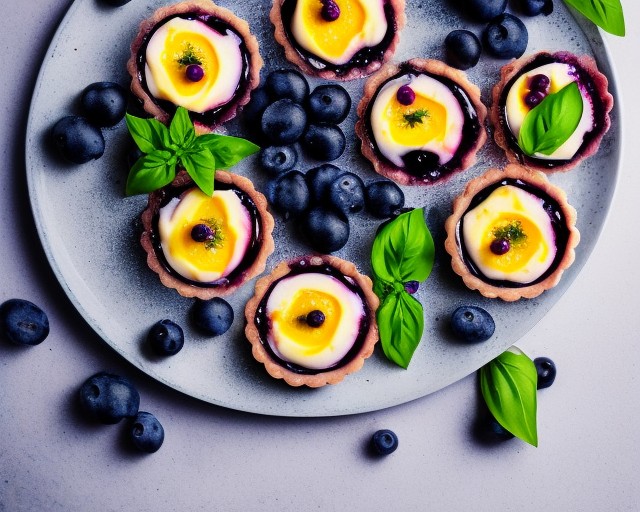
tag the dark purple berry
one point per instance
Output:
(166, 338)
(278, 159)
(482, 10)
(107, 398)
(472, 324)
(287, 83)
(383, 198)
(77, 140)
(146, 432)
(330, 10)
(405, 95)
(384, 442)
(329, 103)
(500, 246)
(324, 142)
(546, 369)
(201, 233)
(326, 231)
(22, 322)
(283, 122)
(212, 317)
(411, 287)
(462, 48)
(505, 37)
(534, 98)
(539, 82)
(195, 73)
(315, 318)
(104, 103)
(535, 7)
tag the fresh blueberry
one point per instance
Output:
(77, 140)
(405, 95)
(319, 179)
(147, 434)
(315, 318)
(384, 442)
(212, 317)
(540, 82)
(330, 10)
(194, 73)
(329, 104)
(107, 398)
(283, 122)
(505, 37)
(202, 233)
(500, 246)
(287, 83)
(482, 10)
(346, 193)
(22, 322)
(462, 49)
(490, 429)
(104, 103)
(411, 287)
(472, 324)
(535, 7)
(326, 230)
(278, 159)
(166, 338)
(290, 194)
(534, 98)
(546, 371)
(252, 111)
(383, 198)
(324, 142)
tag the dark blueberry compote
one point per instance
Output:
(209, 117)
(361, 59)
(539, 88)
(162, 197)
(264, 325)
(425, 167)
(551, 207)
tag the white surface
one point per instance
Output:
(216, 459)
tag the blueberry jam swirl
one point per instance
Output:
(235, 276)
(553, 210)
(263, 323)
(425, 166)
(210, 117)
(361, 59)
(588, 89)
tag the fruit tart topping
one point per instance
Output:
(194, 72)
(405, 95)
(330, 10)
(315, 318)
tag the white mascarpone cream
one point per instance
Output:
(526, 260)
(293, 340)
(192, 259)
(361, 24)
(560, 75)
(440, 131)
(220, 56)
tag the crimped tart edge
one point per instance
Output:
(319, 379)
(240, 25)
(204, 293)
(292, 55)
(435, 67)
(460, 205)
(510, 70)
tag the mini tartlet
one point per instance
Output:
(286, 334)
(362, 38)
(511, 234)
(420, 121)
(197, 55)
(525, 82)
(205, 246)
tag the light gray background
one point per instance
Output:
(216, 459)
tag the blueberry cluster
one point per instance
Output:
(504, 36)
(284, 112)
(79, 139)
(108, 398)
(323, 198)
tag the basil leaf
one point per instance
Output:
(508, 385)
(607, 14)
(151, 172)
(227, 150)
(201, 166)
(400, 323)
(403, 250)
(181, 129)
(546, 127)
(148, 134)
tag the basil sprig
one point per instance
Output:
(403, 251)
(508, 385)
(607, 14)
(178, 146)
(549, 125)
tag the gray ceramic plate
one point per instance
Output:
(89, 230)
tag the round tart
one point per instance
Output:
(512, 234)
(196, 55)
(338, 39)
(205, 246)
(420, 121)
(528, 82)
(312, 321)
